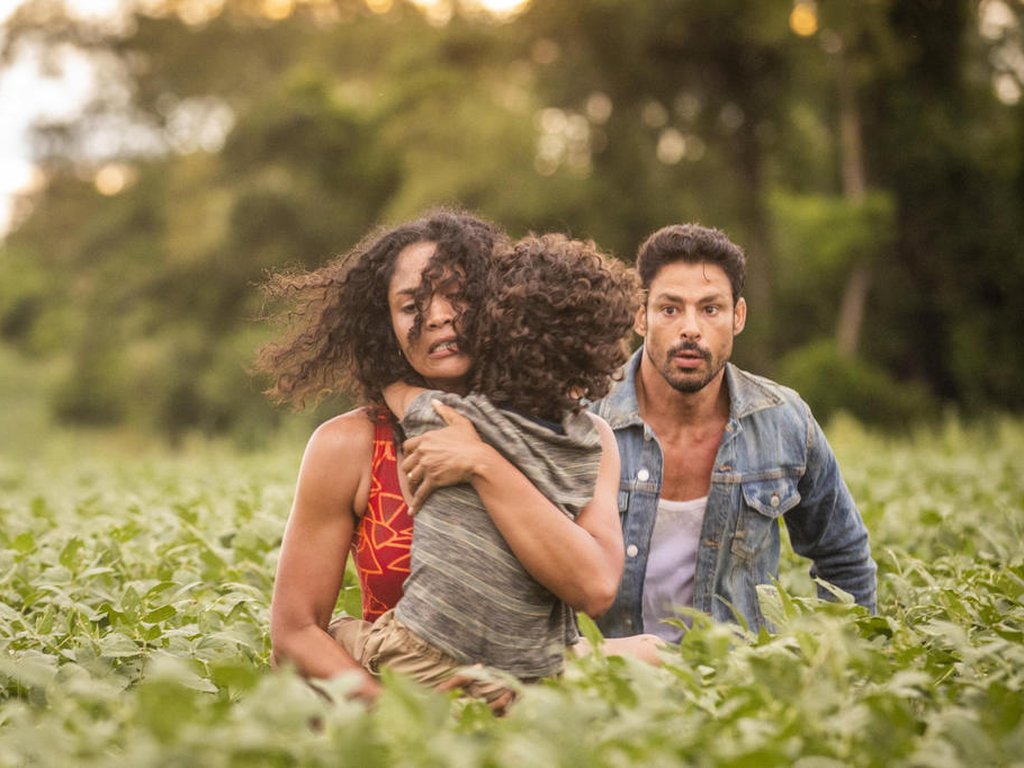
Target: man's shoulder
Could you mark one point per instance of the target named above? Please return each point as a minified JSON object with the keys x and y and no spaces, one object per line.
{"x":751,"y":393}
{"x":765,"y":384}
{"x":619,"y":406}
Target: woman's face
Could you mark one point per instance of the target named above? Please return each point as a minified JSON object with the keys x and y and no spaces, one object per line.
{"x":434,"y":353}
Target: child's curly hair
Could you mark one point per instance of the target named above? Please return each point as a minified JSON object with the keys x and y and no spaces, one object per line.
{"x":554,"y":325}
{"x":341,"y":337}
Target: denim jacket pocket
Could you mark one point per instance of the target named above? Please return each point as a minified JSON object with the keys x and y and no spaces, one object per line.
{"x":764,"y":502}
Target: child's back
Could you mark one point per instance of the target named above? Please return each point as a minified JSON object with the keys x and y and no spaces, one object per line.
{"x":467,"y":593}
{"x":551,"y":332}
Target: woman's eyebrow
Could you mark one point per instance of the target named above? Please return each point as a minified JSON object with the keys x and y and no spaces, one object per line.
{"x":409,"y":291}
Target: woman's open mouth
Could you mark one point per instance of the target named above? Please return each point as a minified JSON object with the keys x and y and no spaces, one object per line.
{"x":444,"y":348}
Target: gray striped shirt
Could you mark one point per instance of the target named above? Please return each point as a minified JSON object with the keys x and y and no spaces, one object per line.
{"x":466,"y":593}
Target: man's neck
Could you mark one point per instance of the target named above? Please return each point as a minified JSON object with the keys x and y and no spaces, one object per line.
{"x":689,"y":427}
{"x":669,"y":411}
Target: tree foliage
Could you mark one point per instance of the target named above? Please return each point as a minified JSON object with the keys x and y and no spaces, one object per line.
{"x":867,"y":154}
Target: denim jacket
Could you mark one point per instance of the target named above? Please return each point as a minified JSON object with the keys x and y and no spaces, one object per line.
{"x":773,"y":461}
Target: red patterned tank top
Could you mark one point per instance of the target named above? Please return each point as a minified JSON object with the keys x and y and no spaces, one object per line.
{"x":384,"y":533}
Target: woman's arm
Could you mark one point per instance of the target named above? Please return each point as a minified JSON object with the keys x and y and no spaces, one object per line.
{"x":399,"y":396}
{"x":332,"y":485}
{"x":581,"y":562}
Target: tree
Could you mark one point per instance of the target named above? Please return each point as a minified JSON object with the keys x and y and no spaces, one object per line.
{"x":868,"y":158}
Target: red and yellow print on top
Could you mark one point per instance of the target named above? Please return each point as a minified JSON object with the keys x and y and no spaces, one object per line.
{"x":384,"y":533}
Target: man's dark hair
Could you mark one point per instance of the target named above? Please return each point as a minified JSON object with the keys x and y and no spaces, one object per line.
{"x":693,"y":244}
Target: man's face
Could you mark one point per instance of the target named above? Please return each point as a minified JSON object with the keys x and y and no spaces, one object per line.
{"x":689,"y":322}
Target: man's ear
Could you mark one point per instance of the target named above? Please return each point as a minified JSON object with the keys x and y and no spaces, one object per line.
{"x":640,"y":322}
{"x":739,"y":316}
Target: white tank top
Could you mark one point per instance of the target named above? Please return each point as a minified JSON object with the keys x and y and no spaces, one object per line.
{"x":671,"y":564}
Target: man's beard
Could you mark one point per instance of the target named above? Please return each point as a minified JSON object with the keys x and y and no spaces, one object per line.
{"x":690,"y":384}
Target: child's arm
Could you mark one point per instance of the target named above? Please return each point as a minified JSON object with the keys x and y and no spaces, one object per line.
{"x":399,"y":396}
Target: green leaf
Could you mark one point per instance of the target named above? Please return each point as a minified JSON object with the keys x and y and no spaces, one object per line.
{"x":352,"y":601}
{"x":590,"y":631}
{"x":162,"y":613}
{"x":69,"y":552}
{"x":115,"y":645}
{"x":24,"y":543}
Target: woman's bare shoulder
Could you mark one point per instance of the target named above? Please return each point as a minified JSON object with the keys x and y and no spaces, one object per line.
{"x":348,"y":437}
{"x":336,"y":466}
{"x":354,"y":424}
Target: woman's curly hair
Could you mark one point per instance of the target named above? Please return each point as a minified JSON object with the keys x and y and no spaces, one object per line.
{"x":554,"y":325}
{"x":340,"y":336}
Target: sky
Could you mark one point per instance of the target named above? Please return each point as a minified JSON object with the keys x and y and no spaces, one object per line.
{"x":27,"y":94}
{"x":24,"y":96}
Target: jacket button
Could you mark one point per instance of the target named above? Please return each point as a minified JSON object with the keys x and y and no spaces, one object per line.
{"x":643,"y":475}
{"x":632,"y":550}
{"x":775,"y":500}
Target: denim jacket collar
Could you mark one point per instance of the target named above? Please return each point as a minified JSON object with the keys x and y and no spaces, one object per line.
{"x":747,"y":394}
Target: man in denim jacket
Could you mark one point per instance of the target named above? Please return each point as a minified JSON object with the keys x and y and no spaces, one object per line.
{"x":713,"y":457}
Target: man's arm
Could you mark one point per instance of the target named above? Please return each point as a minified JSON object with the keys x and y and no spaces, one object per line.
{"x":827,"y":528}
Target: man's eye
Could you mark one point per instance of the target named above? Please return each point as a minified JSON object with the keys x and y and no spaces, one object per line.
{"x":711,"y":309}
{"x":669,"y":310}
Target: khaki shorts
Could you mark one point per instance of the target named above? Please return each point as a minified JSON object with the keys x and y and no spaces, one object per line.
{"x":387,"y":642}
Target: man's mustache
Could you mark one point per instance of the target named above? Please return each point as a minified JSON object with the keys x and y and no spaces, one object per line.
{"x":690,"y":346}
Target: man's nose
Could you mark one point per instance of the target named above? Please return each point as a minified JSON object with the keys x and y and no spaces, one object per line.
{"x":689,"y":325}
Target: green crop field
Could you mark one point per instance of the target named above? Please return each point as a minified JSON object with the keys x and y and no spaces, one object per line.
{"x":134,"y":592}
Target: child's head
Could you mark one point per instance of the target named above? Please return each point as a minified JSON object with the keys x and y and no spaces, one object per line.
{"x":554,"y":324}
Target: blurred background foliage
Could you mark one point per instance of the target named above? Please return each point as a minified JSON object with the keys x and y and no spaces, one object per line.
{"x":867,"y":155}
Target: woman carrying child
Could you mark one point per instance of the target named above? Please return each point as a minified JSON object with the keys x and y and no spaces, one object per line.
{"x":550,"y":331}
{"x":417,"y":282}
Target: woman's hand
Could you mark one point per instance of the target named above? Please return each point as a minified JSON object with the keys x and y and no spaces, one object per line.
{"x":579,"y":561}
{"x":441,"y":457}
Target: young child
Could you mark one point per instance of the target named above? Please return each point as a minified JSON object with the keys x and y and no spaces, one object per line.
{"x":552,"y":331}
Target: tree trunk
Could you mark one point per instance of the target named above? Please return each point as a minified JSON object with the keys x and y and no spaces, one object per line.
{"x":858,"y":285}
{"x":761,"y":340}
